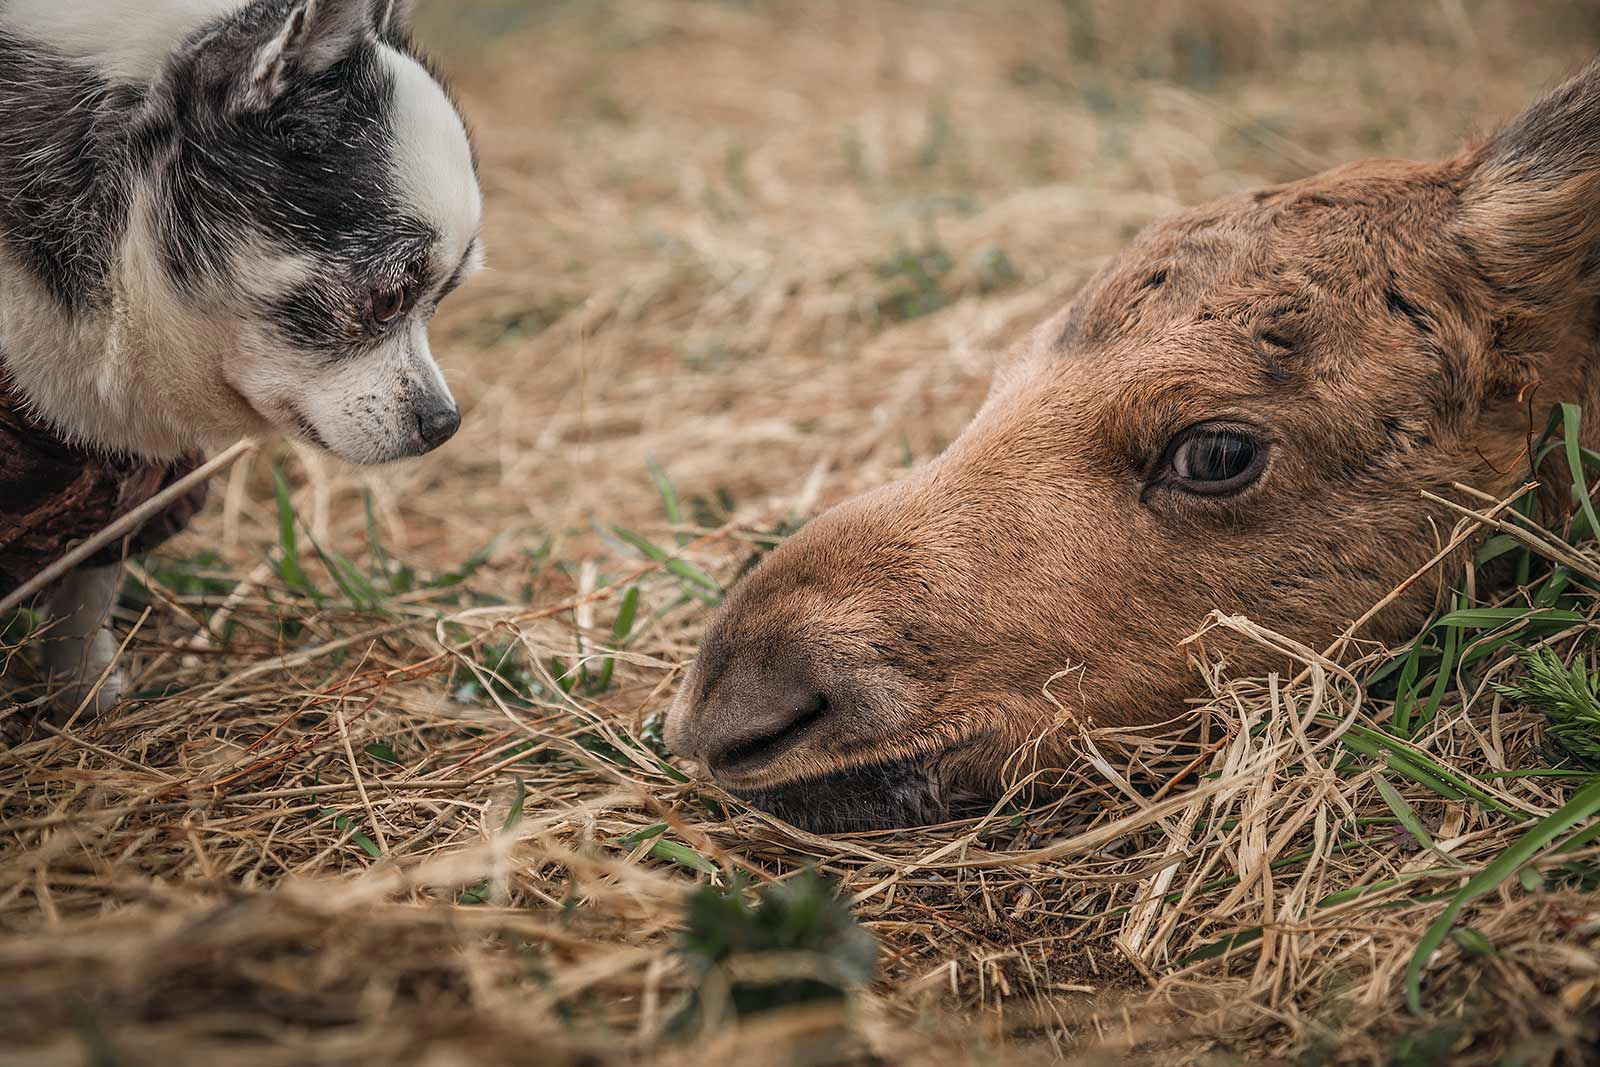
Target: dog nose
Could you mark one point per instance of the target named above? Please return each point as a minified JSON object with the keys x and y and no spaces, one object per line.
{"x":770,"y":716}
{"x":439,"y":425}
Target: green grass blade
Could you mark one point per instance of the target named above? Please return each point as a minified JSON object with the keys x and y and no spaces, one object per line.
{"x":380,"y":557}
{"x":1376,"y":750}
{"x":626,"y":614}
{"x":683,"y":855}
{"x":1356,"y":892}
{"x":1571,"y":418}
{"x":1490,"y":618}
{"x":1472,"y":942}
{"x":666,"y":849}
{"x":344,"y":825}
{"x":1404,"y":812}
{"x":1551,"y":588}
{"x":351,"y":582}
{"x":381,"y":750}
{"x":638,"y":836}
{"x":518,"y":798}
{"x":1585,"y":803}
{"x":1581,"y":839}
{"x":620,"y":631}
{"x":1218,"y":948}
{"x":1447,"y":666}
{"x":1423,"y":769}
{"x":1406,"y":691}
{"x":672,"y":772}
{"x":669,"y":497}
{"x":288,"y":564}
{"x":1495,"y":547}
{"x":696,"y":582}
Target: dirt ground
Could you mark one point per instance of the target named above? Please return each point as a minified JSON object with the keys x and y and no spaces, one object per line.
{"x":766,"y":253}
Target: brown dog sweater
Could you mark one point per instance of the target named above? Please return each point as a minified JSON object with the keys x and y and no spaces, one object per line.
{"x":54,"y":494}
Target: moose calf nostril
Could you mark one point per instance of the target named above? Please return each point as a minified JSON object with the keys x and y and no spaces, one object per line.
{"x":772,"y":726}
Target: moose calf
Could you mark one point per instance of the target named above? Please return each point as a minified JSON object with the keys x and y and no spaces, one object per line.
{"x":1240,"y":412}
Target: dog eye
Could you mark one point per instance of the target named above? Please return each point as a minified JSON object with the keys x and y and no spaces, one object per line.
{"x":386,"y":303}
{"x":1215,"y":461}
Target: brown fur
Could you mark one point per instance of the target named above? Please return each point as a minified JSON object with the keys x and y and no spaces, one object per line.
{"x":1381,"y":326}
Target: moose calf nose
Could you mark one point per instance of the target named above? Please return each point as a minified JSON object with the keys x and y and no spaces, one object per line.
{"x":439,"y":424}
{"x":761,"y":721}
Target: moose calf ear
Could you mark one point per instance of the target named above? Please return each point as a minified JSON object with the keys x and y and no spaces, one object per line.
{"x":311,"y":37}
{"x":1531,"y":206}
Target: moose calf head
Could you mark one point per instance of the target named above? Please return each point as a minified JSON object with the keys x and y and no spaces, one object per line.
{"x":1240,"y":412}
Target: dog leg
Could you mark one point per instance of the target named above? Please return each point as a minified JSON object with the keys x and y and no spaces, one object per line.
{"x":80,"y":645}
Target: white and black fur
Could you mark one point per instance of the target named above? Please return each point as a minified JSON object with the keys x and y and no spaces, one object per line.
{"x":226,"y":217}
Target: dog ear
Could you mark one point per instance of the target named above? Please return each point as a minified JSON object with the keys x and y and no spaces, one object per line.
{"x":392,"y":18}
{"x":1530,"y":220}
{"x":310,"y":37}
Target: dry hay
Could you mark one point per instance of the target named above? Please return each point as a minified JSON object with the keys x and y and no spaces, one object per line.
{"x":777,"y":252}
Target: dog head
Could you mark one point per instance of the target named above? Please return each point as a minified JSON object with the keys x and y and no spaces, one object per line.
{"x":1241,"y":412}
{"x":309,"y":197}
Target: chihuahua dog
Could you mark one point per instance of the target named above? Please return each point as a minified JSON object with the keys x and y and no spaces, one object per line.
{"x":217,"y":218}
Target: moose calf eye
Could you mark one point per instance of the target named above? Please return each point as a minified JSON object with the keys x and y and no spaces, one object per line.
{"x":1215,"y":461}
